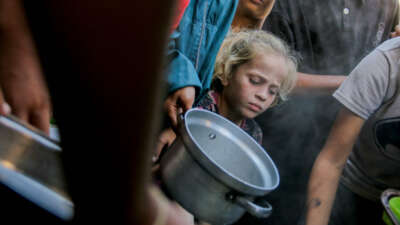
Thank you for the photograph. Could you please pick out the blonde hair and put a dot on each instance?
(241, 47)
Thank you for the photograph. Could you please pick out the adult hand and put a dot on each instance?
(27, 94)
(21, 77)
(179, 102)
(166, 138)
(396, 31)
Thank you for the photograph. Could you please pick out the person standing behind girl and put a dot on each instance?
(254, 71)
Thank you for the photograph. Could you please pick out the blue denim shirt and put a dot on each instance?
(195, 43)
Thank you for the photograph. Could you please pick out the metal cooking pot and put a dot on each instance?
(215, 170)
(30, 164)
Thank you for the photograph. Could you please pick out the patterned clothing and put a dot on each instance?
(210, 102)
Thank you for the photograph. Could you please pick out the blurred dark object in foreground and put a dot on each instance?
(102, 63)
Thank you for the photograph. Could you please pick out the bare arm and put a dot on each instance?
(21, 80)
(167, 212)
(328, 167)
(317, 84)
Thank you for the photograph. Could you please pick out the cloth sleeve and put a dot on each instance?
(181, 71)
(366, 87)
(192, 52)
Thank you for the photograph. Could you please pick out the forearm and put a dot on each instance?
(20, 68)
(317, 84)
(328, 166)
(321, 192)
(13, 25)
(18, 49)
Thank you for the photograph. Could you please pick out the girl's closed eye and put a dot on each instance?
(255, 80)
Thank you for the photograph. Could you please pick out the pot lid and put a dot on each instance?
(229, 153)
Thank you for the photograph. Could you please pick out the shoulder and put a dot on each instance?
(384, 60)
(373, 80)
(390, 51)
(392, 44)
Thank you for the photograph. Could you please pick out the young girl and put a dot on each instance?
(254, 70)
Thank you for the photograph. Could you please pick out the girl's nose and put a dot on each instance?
(262, 95)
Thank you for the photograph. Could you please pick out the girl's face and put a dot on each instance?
(253, 87)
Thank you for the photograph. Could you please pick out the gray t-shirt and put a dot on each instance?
(372, 92)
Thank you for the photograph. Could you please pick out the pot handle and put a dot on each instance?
(254, 209)
(180, 125)
(181, 119)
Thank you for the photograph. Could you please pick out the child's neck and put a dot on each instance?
(224, 110)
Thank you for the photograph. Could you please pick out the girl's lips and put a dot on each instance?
(255, 107)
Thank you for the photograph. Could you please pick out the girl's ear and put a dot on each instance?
(224, 82)
(223, 79)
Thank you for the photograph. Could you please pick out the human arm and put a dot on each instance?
(363, 92)
(328, 167)
(366, 89)
(317, 84)
(195, 45)
(182, 80)
(182, 76)
(167, 212)
(21, 80)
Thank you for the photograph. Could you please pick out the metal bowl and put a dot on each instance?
(30, 164)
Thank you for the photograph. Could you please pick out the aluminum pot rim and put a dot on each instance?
(221, 174)
(27, 130)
